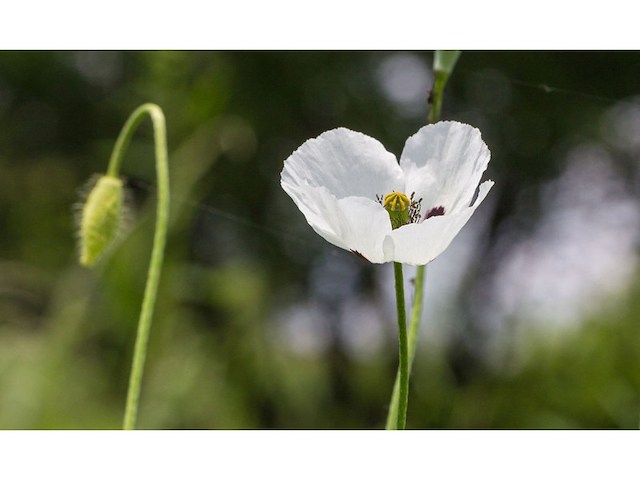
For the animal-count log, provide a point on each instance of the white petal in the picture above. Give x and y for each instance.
(364, 225)
(353, 223)
(319, 208)
(443, 164)
(347, 163)
(419, 243)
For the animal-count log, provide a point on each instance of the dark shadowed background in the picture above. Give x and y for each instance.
(532, 316)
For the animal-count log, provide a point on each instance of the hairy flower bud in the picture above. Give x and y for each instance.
(100, 219)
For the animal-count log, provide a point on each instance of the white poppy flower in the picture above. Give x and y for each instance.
(356, 196)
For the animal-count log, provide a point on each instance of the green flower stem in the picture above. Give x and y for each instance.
(403, 351)
(412, 340)
(436, 96)
(444, 63)
(159, 241)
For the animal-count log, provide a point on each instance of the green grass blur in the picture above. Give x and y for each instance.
(240, 256)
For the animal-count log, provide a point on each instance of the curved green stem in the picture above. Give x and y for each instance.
(403, 351)
(159, 241)
(412, 340)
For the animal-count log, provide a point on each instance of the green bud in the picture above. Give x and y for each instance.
(445, 61)
(101, 218)
(397, 204)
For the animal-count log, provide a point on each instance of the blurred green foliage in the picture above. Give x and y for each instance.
(239, 253)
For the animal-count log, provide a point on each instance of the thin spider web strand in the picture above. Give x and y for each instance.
(281, 234)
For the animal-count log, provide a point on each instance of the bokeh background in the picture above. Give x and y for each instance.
(532, 316)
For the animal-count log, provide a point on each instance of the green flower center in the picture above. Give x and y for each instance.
(397, 204)
(401, 208)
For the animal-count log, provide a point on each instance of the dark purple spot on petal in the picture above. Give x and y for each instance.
(434, 212)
